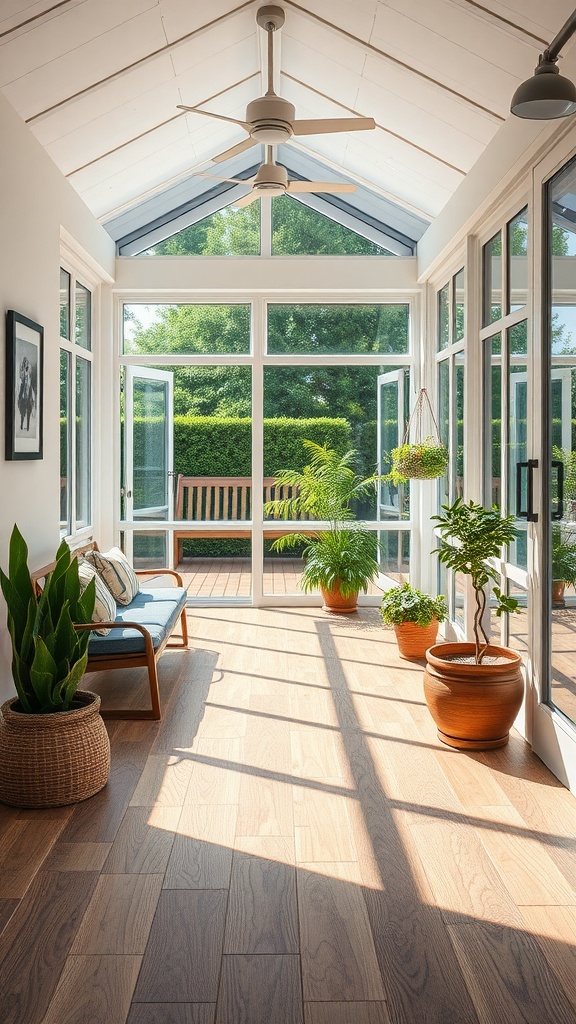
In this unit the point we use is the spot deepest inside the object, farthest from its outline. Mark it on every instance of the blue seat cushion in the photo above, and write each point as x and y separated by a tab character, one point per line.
157	608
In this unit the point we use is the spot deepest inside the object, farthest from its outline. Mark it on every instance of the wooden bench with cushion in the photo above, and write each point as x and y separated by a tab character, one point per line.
219	499
139	633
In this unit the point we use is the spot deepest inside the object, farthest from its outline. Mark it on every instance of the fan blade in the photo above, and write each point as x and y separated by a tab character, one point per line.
234	150
246	200
320	186
333	124
236	181
220	117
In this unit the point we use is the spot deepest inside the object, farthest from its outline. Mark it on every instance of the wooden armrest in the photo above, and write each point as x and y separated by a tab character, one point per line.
161	572
117	625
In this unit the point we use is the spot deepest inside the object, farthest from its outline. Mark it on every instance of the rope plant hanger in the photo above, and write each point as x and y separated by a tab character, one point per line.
426	456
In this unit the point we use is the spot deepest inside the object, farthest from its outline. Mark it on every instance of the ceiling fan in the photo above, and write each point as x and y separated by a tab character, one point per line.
271	179
270	119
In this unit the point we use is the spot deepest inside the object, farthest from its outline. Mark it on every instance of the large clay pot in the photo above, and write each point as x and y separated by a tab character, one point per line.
558	588
334	602
473	705
55	759
414	640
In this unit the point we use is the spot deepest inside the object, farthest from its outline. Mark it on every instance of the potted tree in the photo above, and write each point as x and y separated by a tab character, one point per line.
415	617
341	559
474	690
54	748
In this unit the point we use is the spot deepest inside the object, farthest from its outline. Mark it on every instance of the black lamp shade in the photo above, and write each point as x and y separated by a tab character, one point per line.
545	96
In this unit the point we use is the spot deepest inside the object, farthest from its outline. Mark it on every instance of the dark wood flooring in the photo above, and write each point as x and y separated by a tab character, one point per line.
292	845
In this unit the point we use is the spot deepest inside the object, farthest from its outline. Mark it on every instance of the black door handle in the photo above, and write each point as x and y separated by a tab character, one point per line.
528	513
558	512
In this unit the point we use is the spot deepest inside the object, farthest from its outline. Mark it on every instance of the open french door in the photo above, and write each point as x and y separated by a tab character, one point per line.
148	460
393	500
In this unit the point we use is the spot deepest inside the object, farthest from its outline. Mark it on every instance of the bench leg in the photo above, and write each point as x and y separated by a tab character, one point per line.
154	689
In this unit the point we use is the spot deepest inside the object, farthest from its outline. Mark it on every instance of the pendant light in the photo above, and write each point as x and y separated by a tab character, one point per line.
547	94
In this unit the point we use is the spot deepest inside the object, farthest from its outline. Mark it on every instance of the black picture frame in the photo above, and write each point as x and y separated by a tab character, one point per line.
24	387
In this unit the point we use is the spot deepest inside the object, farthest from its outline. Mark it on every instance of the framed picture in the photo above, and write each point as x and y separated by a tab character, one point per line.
24	387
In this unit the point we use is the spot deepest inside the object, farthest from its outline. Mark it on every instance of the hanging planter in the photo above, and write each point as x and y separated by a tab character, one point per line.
424	458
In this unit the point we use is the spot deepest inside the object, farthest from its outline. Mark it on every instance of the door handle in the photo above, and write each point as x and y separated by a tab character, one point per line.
558	512
528	513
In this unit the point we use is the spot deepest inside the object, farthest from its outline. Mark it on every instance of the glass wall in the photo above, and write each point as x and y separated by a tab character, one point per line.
316	367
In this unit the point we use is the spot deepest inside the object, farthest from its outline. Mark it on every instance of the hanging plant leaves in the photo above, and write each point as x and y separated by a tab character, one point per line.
424	458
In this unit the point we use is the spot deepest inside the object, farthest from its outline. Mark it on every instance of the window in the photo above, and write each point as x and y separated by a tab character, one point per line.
75	404
450	335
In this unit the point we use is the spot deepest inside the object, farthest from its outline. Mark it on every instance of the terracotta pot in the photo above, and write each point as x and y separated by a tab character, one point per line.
55	759
558	588
414	640
334	602
473	706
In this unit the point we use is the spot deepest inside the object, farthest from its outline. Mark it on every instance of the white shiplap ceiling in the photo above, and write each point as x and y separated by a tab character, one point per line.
98	82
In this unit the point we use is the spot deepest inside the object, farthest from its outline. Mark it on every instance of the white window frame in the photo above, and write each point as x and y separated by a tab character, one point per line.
81	275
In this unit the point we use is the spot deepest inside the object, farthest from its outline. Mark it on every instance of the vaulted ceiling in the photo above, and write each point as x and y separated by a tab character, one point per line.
98	83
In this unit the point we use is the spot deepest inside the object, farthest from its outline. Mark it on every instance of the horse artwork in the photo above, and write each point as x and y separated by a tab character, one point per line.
26	399
24	387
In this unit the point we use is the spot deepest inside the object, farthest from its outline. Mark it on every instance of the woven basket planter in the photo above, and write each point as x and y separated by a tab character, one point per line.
56	759
414	640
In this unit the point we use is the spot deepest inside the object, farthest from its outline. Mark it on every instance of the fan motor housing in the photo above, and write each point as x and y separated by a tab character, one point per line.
271	119
271	179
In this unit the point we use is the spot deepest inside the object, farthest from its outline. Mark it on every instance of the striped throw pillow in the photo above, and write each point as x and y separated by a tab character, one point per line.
105	606
115	570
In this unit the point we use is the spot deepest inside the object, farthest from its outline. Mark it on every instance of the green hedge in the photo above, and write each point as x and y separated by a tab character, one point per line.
213	446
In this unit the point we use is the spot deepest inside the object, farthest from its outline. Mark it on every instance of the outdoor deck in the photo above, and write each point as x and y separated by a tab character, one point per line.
232	577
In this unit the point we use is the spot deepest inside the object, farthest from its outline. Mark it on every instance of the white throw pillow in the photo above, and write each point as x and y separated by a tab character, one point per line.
115	570
105	606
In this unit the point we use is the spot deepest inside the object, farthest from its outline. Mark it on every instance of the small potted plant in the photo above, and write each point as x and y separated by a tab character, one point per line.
54	748
420	460
415	617
339	560
563	564
474	690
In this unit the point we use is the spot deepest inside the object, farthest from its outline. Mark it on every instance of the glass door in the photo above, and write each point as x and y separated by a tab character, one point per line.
554	726
148	459
393	499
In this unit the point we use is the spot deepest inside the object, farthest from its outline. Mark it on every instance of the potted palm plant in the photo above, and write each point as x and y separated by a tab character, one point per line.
340	560
54	748
474	690
415	617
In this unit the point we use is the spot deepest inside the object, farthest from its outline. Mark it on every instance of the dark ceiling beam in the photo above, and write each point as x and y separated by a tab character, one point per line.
35	17
388	131
161	124
370	48
138	63
506	21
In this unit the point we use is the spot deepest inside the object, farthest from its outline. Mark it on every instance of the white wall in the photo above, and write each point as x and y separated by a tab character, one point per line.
36	202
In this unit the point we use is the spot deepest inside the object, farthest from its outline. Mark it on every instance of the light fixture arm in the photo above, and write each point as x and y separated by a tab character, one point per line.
552	52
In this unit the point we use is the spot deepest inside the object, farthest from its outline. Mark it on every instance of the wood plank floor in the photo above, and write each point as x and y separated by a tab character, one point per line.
292	845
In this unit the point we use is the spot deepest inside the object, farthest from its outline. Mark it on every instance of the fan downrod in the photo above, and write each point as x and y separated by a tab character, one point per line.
270	18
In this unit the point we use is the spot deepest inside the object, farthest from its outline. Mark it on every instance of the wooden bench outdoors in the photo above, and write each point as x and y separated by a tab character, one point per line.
219	499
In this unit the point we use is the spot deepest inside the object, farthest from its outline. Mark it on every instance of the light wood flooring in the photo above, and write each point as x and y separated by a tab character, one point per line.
292	845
